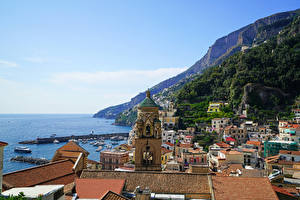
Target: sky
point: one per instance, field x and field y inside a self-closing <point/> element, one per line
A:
<point x="81" y="56"/>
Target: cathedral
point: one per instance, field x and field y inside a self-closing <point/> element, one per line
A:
<point x="148" y="136"/>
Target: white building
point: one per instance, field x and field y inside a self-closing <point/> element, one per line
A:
<point x="168" y="136"/>
<point x="47" y="192"/>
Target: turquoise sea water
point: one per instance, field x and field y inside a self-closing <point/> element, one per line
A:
<point x="18" y="127"/>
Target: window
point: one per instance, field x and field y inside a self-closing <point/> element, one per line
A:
<point x="148" y="130"/>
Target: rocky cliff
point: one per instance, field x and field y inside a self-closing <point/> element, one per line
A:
<point x="252" y="34"/>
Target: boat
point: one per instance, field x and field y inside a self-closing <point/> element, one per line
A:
<point x="55" y="141"/>
<point x="108" y="146"/>
<point x="22" y="150"/>
<point x="99" y="148"/>
<point x="114" y="143"/>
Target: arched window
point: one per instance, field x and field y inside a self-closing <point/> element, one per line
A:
<point x="148" y="130"/>
<point x="147" y="156"/>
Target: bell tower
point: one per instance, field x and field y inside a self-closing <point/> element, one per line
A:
<point x="148" y="136"/>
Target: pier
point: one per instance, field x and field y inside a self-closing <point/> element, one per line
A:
<point x="37" y="161"/>
<point x="74" y="137"/>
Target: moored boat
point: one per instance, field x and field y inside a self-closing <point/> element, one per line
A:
<point x="22" y="150"/>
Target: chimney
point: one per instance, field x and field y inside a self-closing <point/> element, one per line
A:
<point x="2" y="145"/>
<point x="142" y="194"/>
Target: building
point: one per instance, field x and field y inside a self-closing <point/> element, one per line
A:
<point x="148" y="136"/>
<point x="168" y="118"/>
<point x="218" y="124"/>
<point x="111" y="160"/>
<point x="272" y="148"/>
<point x="190" y="186"/>
<point x="237" y="133"/>
<point x="290" y="132"/>
<point x="97" y="188"/>
<point x="296" y="112"/>
<point x="193" y="157"/>
<point x="2" y="145"/>
<point x="166" y="155"/>
<point x="71" y="151"/>
<point x="45" y="192"/>
<point x="168" y="136"/>
<point x="168" y="145"/>
<point x="215" y="107"/>
<point x="61" y="172"/>
<point x="229" y="156"/>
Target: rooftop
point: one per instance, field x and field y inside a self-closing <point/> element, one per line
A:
<point x="148" y="102"/>
<point x="113" y="196"/>
<point x="2" y="144"/>
<point x="158" y="182"/>
<point x="59" y="172"/>
<point x="255" y="143"/>
<point x="223" y="145"/>
<point x="231" y="188"/>
<point x="295" y="153"/>
<point x="33" y="192"/>
<point x="96" y="188"/>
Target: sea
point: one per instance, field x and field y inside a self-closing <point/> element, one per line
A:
<point x="19" y="127"/>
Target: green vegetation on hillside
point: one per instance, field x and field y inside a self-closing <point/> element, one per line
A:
<point x="273" y="64"/>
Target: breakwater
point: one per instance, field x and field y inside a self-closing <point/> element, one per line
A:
<point x="73" y="137"/>
<point x="37" y="161"/>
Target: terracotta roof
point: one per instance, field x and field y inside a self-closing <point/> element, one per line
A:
<point x="189" y="136"/>
<point x="164" y="150"/>
<point x="113" y="196"/>
<point x="230" y="152"/>
<point x="158" y="182"/>
<point x="223" y="145"/>
<point x="59" y="172"/>
<point x="230" y="139"/>
<point x="231" y="188"/>
<point x="185" y="145"/>
<point x="232" y="167"/>
<point x="73" y="147"/>
<point x="3" y="144"/>
<point x="297" y="153"/>
<point x="96" y="188"/>
<point x="256" y="143"/>
<point x="249" y="150"/>
<point x="169" y="143"/>
<point x="281" y="190"/>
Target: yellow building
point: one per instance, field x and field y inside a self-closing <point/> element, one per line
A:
<point x="215" y="107"/>
<point x="168" y="118"/>
<point x="165" y="155"/>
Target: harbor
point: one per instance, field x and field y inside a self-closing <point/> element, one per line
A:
<point x="54" y="139"/>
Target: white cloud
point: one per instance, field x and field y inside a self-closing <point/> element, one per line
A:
<point x="127" y="77"/>
<point x="4" y="63"/>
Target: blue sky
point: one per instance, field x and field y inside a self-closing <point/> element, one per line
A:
<point x="81" y="56"/>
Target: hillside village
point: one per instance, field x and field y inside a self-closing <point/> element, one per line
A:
<point x="163" y="162"/>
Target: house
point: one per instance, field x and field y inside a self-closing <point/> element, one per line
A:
<point x="97" y="188"/>
<point x="296" y="112"/>
<point x="236" y="188"/>
<point x="71" y="151"/>
<point x="45" y="192"/>
<point x="168" y="136"/>
<point x="231" y="157"/>
<point x="255" y="145"/>
<point x="215" y="107"/>
<point x="61" y="172"/>
<point x="291" y="132"/>
<point x="181" y="148"/>
<point x="288" y="161"/>
<point x="113" y="159"/>
<point x="2" y="145"/>
<point x="272" y="148"/>
<point x="168" y="118"/>
<point x="166" y="155"/>
<point x="237" y="133"/>
<point x="168" y="145"/>
<point x="218" y="124"/>
<point x="191" y="186"/>
<point x="193" y="157"/>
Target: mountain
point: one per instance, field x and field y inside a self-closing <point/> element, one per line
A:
<point x="243" y="38"/>
<point x="264" y="80"/>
